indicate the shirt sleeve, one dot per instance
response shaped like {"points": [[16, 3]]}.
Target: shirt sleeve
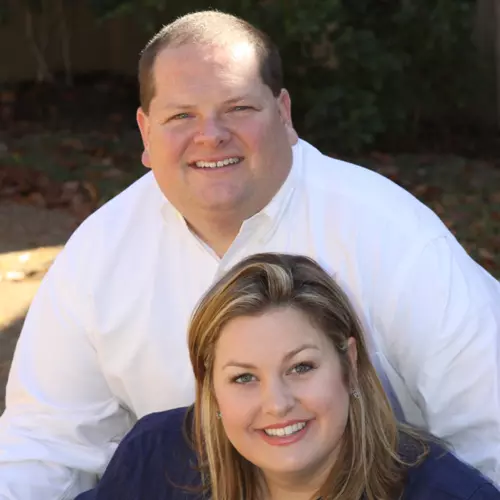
{"points": [[62, 423], [441, 323]]}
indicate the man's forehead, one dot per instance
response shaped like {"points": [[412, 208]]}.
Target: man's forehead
{"points": [[235, 54], [187, 71]]}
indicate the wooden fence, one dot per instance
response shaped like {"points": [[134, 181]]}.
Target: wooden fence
{"points": [[33, 47]]}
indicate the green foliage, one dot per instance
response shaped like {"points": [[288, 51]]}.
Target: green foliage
{"points": [[371, 68], [107, 9], [357, 70]]}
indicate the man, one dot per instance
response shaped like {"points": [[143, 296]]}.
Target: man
{"points": [[104, 341]]}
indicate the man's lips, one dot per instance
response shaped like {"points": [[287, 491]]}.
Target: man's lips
{"points": [[220, 162], [215, 159]]}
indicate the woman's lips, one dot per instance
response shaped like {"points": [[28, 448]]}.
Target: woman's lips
{"points": [[287, 439]]}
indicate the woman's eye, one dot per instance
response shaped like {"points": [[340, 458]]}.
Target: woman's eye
{"points": [[302, 368], [244, 379]]}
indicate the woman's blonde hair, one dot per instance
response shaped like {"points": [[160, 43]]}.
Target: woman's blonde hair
{"points": [[369, 461]]}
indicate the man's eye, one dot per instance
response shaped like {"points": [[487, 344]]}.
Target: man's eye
{"points": [[244, 379], [240, 108], [302, 368], [180, 116]]}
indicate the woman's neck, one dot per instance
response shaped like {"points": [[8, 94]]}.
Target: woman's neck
{"points": [[283, 489], [292, 495]]}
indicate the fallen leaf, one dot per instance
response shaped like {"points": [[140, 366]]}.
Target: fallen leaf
{"points": [[72, 143], [112, 173], [37, 199], [484, 253], [7, 96], [91, 190]]}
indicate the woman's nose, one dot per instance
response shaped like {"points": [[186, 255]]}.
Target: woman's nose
{"points": [[278, 398]]}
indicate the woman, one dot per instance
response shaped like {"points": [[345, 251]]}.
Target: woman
{"points": [[288, 406]]}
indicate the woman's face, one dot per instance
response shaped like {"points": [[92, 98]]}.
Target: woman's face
{"points": [[281, 390]]}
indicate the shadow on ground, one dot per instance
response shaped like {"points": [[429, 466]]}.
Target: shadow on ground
{"points": [[8, 339]]}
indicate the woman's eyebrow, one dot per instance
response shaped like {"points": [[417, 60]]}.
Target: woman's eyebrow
{"points": [[286, 357]]}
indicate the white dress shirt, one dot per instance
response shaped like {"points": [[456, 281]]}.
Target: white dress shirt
{"points": [[105, 339]]}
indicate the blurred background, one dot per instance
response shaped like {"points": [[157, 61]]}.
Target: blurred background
{"points": [[410, 88]]}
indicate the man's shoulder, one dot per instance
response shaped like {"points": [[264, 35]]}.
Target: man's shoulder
{"points": [[358, 192], [120, 228], [124, 216], [138, 199], [342, 178], [442, 476]]}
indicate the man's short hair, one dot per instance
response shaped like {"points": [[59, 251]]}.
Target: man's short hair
{"points": [[209, 28]]}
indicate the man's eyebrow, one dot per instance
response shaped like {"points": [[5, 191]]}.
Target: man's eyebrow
{"points": [[237, 99], [287, 357], [177, 106], [232, 100]]}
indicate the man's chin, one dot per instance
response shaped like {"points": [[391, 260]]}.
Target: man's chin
{"points": [[222, 208]]}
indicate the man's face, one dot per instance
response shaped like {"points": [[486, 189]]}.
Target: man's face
{"points": [[216, 138]]}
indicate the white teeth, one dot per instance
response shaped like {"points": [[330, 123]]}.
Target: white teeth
{"points": [[286, 431], [217, 164]]}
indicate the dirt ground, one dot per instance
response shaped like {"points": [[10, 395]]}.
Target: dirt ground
{"points": [[30, 239]]}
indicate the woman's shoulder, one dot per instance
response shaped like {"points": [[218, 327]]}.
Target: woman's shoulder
{"points": [[170, 424], [154, 461], [163, 437], [442, 476]]}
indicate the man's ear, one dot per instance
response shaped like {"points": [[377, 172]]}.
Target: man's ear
{"points": [[146, 161], [143, 123], [285, 109]]}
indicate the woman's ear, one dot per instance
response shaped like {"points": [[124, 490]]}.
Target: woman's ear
{"points": [[352, 353]]}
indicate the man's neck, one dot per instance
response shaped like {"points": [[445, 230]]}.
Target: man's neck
{"points": [[217, 233]]}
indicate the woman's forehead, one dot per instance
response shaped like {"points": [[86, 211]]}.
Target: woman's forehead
{"points": [[272, 335]]}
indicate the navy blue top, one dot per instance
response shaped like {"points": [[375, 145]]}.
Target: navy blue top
{"points": [[155, 457]]}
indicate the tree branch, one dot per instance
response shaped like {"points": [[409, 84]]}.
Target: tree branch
{"points": [[65, 43], [43, 72]]}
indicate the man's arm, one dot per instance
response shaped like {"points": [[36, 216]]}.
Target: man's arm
{"points": [[62, 423], [441, 327]]}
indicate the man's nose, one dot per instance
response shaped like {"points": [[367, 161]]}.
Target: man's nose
{"points": [[277, 398], [211, 132]]}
